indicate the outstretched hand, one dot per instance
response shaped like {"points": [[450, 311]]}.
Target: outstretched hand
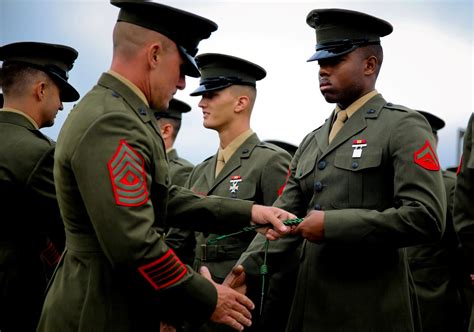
{"points": [[236, 279], [272, 216], [233, 308]]}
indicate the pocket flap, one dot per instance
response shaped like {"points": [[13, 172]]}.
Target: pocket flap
{"points": [[370, 157]]}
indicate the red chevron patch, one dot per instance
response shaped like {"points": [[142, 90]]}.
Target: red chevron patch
{"points": [[127, 175], [165, 271], [426, 157]]}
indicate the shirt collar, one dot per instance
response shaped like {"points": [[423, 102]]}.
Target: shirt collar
{"points": [[132, 86], [235, 144], [355, 106]]}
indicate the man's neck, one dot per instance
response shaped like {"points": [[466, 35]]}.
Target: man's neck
{"points": [[227, 136]]}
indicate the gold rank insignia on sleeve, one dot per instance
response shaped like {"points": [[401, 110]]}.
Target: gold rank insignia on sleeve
{"points": [[127, 175]]}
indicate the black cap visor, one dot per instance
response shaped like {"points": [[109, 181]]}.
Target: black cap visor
{"points": [[218, 83], [190, 66], [331, 50], [330, 53], [67, 91]]}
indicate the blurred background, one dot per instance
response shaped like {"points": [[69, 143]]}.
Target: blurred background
{"points": [[428, 62]]}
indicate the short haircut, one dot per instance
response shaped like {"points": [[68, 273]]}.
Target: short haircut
{"points": [[16, 76], [374, 50], [173, 122]]}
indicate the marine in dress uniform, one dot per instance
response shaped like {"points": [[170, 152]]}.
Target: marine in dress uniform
{"points": [[437, 269], [114, 191], [34, 82], [372, 190], [252, 170], [170, 124], [464, 209]]}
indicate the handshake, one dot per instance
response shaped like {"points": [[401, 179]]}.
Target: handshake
{"points": [[233, 307]]}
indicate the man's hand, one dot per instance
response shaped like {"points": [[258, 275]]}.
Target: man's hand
{"points": [[312, 227], [165, 327], [232, 308], [236, 279], [272, 216]]}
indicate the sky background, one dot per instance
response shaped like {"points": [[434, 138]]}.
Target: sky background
{"points": [[428, 62]]}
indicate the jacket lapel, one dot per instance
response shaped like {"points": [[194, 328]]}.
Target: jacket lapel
{"points": [[323, 138], [243, 152], [210, 172], [355, 124]]}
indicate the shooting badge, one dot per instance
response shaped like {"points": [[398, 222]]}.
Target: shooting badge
{"points": [[358, 145], [234, 185]]}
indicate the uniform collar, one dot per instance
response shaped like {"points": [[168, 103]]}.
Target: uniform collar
{"points": [[355, 106], [234, 145], [132, 86], [29, 118]]}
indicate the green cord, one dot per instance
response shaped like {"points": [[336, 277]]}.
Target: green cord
{"points": [[264, 267], [289, 222], [263, 272]]}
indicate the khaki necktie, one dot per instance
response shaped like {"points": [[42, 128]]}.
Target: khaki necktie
{"points": [[341, 117], [220, 163]]}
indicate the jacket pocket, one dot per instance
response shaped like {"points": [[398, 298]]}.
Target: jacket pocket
{"points": [[361, 178]]}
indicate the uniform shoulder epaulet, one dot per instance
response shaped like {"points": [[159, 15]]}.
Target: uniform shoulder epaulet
{"points": [[397, 107], [177, 162], [270, 146], [208, 158]]}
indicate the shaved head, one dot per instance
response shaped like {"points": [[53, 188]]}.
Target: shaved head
{"points": [[245, 90], [128, 39]]}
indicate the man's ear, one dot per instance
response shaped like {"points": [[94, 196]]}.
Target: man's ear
{"points": [[154, 52], [242, 103], [371, 64], [39, 90], [166, 130]]}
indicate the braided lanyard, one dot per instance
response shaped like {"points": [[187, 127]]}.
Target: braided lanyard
{"points": [[264, 266]]}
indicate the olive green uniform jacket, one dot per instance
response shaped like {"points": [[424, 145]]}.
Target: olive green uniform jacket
{"points": [[179, 168], [257, 172], [358, 278], [113, 188], [439, 276], [463, 205], [29, 215]]}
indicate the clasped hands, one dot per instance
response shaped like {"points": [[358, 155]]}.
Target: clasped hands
{"points": [[233, 307]]}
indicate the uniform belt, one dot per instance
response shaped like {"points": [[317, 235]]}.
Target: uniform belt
{"points": [[209, 252], [82, 242]]}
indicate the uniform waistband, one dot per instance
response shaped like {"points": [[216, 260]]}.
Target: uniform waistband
{"points": [[82, 242], [209, 252]]}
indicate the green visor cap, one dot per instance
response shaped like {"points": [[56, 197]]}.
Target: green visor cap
{"points": [[55, 60], [435, 122], [184, 28], [219, 71], [175, 110], [340, 31]]}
